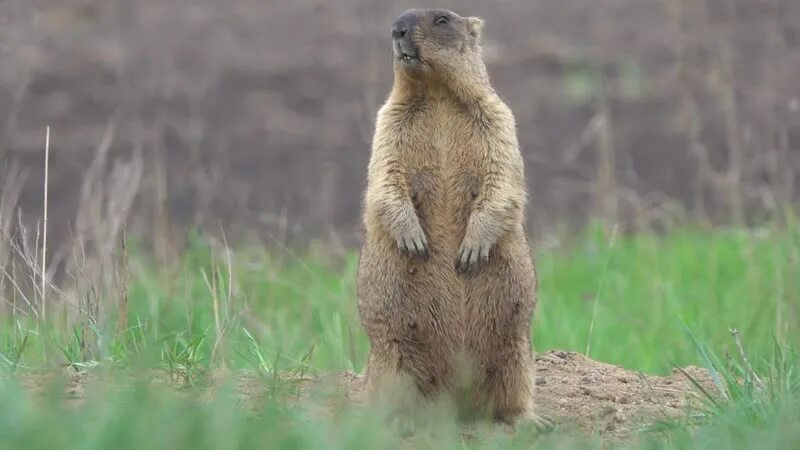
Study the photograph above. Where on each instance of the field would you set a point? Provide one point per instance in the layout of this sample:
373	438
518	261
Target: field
197	147
268	319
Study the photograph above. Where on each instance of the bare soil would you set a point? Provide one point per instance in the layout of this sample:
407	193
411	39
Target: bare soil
259	114
576	392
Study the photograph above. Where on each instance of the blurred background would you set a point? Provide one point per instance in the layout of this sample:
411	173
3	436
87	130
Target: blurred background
256	116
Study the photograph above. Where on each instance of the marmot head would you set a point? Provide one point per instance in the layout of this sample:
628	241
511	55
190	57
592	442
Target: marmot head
436	42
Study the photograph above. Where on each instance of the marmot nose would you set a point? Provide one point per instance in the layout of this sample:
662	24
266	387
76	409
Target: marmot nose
399	30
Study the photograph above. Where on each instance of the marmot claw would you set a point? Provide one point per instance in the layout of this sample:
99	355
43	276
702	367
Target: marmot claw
471	255
414	243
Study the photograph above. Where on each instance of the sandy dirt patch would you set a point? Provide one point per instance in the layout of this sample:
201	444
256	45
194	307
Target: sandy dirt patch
576	392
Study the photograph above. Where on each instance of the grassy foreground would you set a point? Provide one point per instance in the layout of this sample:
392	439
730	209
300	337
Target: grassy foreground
644	302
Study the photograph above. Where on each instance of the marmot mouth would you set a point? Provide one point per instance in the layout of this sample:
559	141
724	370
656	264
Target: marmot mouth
408	57
405	51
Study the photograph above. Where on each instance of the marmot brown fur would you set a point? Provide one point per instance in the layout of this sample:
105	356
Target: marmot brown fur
446	282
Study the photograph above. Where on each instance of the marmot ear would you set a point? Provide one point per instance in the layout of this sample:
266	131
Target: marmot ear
475	26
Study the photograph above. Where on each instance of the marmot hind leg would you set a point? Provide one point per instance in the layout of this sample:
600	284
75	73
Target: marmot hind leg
392	391
402	386
501	298
511	390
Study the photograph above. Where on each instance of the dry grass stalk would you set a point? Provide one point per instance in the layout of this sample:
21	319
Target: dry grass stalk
10	192
44	227
122	284
223	321
749	368
606	193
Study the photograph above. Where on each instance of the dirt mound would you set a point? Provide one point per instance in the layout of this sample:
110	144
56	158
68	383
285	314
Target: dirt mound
603	398
578	393
591	396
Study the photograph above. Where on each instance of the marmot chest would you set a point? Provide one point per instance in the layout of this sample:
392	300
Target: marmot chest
445	178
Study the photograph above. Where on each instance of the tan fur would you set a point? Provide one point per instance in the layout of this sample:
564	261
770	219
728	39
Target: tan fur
446	279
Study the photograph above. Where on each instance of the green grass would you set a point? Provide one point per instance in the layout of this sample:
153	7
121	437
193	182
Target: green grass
645	302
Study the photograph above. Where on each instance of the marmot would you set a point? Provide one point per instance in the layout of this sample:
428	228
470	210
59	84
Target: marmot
446	277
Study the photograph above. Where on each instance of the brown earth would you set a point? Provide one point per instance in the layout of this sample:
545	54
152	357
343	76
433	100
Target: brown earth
576	392
258	114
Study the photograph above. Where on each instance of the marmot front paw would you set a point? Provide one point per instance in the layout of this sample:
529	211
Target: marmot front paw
414	242
472	254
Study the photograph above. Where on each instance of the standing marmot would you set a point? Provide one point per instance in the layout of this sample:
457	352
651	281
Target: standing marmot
446	279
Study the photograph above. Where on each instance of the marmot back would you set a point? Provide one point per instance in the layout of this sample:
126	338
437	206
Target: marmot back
446	283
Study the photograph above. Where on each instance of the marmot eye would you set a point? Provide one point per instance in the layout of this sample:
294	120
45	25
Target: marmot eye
440	20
